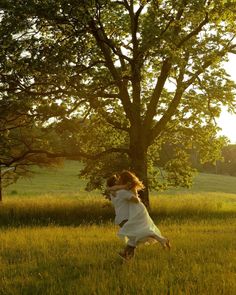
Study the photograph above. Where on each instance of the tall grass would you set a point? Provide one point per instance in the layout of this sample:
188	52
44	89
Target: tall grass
83	260
46	210
69	246
56	239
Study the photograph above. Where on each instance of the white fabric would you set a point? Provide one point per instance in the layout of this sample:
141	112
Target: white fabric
121	204
139	228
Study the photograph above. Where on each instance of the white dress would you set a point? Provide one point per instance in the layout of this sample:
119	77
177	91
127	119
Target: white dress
120	201
140	228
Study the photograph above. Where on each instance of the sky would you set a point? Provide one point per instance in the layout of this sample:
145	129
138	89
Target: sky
227	121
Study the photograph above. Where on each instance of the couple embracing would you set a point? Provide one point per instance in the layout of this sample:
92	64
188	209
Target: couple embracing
136	226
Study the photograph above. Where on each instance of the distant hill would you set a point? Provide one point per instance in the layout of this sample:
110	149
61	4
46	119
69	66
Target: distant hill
65	180
59	180
205	182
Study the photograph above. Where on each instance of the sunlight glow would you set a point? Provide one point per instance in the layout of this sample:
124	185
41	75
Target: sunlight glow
227	121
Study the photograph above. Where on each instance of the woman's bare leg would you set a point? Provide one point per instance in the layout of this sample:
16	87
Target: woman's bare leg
163	241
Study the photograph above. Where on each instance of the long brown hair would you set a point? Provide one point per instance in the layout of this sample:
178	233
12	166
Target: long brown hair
127	177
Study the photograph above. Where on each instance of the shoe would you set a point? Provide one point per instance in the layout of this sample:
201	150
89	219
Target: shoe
128	253
123	255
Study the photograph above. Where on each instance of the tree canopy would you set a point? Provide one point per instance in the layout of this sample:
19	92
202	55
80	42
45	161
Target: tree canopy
116	80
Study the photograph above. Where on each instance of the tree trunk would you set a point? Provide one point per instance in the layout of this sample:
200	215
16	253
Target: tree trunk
0	184
139	167
138	155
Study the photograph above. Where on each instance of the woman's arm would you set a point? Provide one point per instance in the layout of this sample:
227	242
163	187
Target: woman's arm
134	199
116	187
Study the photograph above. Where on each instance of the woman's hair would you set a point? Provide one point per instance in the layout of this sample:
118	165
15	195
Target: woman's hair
127	177
112	180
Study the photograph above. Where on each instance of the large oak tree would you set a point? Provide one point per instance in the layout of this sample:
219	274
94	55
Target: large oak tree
130	74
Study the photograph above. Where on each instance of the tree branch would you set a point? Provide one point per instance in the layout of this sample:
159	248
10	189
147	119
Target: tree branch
209	62
77	155
111	120
160	125
181	87
151	108
194	32
123	92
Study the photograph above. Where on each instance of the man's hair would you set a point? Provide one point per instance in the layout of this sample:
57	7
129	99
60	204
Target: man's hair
112	180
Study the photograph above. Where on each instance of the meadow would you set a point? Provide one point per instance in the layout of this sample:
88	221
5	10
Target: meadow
56	238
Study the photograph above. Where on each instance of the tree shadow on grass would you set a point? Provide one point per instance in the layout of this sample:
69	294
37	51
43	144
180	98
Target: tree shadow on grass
18	217
183	216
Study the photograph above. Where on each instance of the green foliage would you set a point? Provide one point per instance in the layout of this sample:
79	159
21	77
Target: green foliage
92	137
96	171
228	164
179	171
96	76
17	145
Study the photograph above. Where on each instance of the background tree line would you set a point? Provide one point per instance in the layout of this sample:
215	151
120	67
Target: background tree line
226	164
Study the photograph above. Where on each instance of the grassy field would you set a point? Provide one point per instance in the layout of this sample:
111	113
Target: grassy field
66	181
55	238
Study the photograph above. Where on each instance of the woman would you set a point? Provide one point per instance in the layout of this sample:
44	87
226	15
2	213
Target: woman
136	224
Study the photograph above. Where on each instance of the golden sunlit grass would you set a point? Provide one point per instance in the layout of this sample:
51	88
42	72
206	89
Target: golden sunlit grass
56	239
69	246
